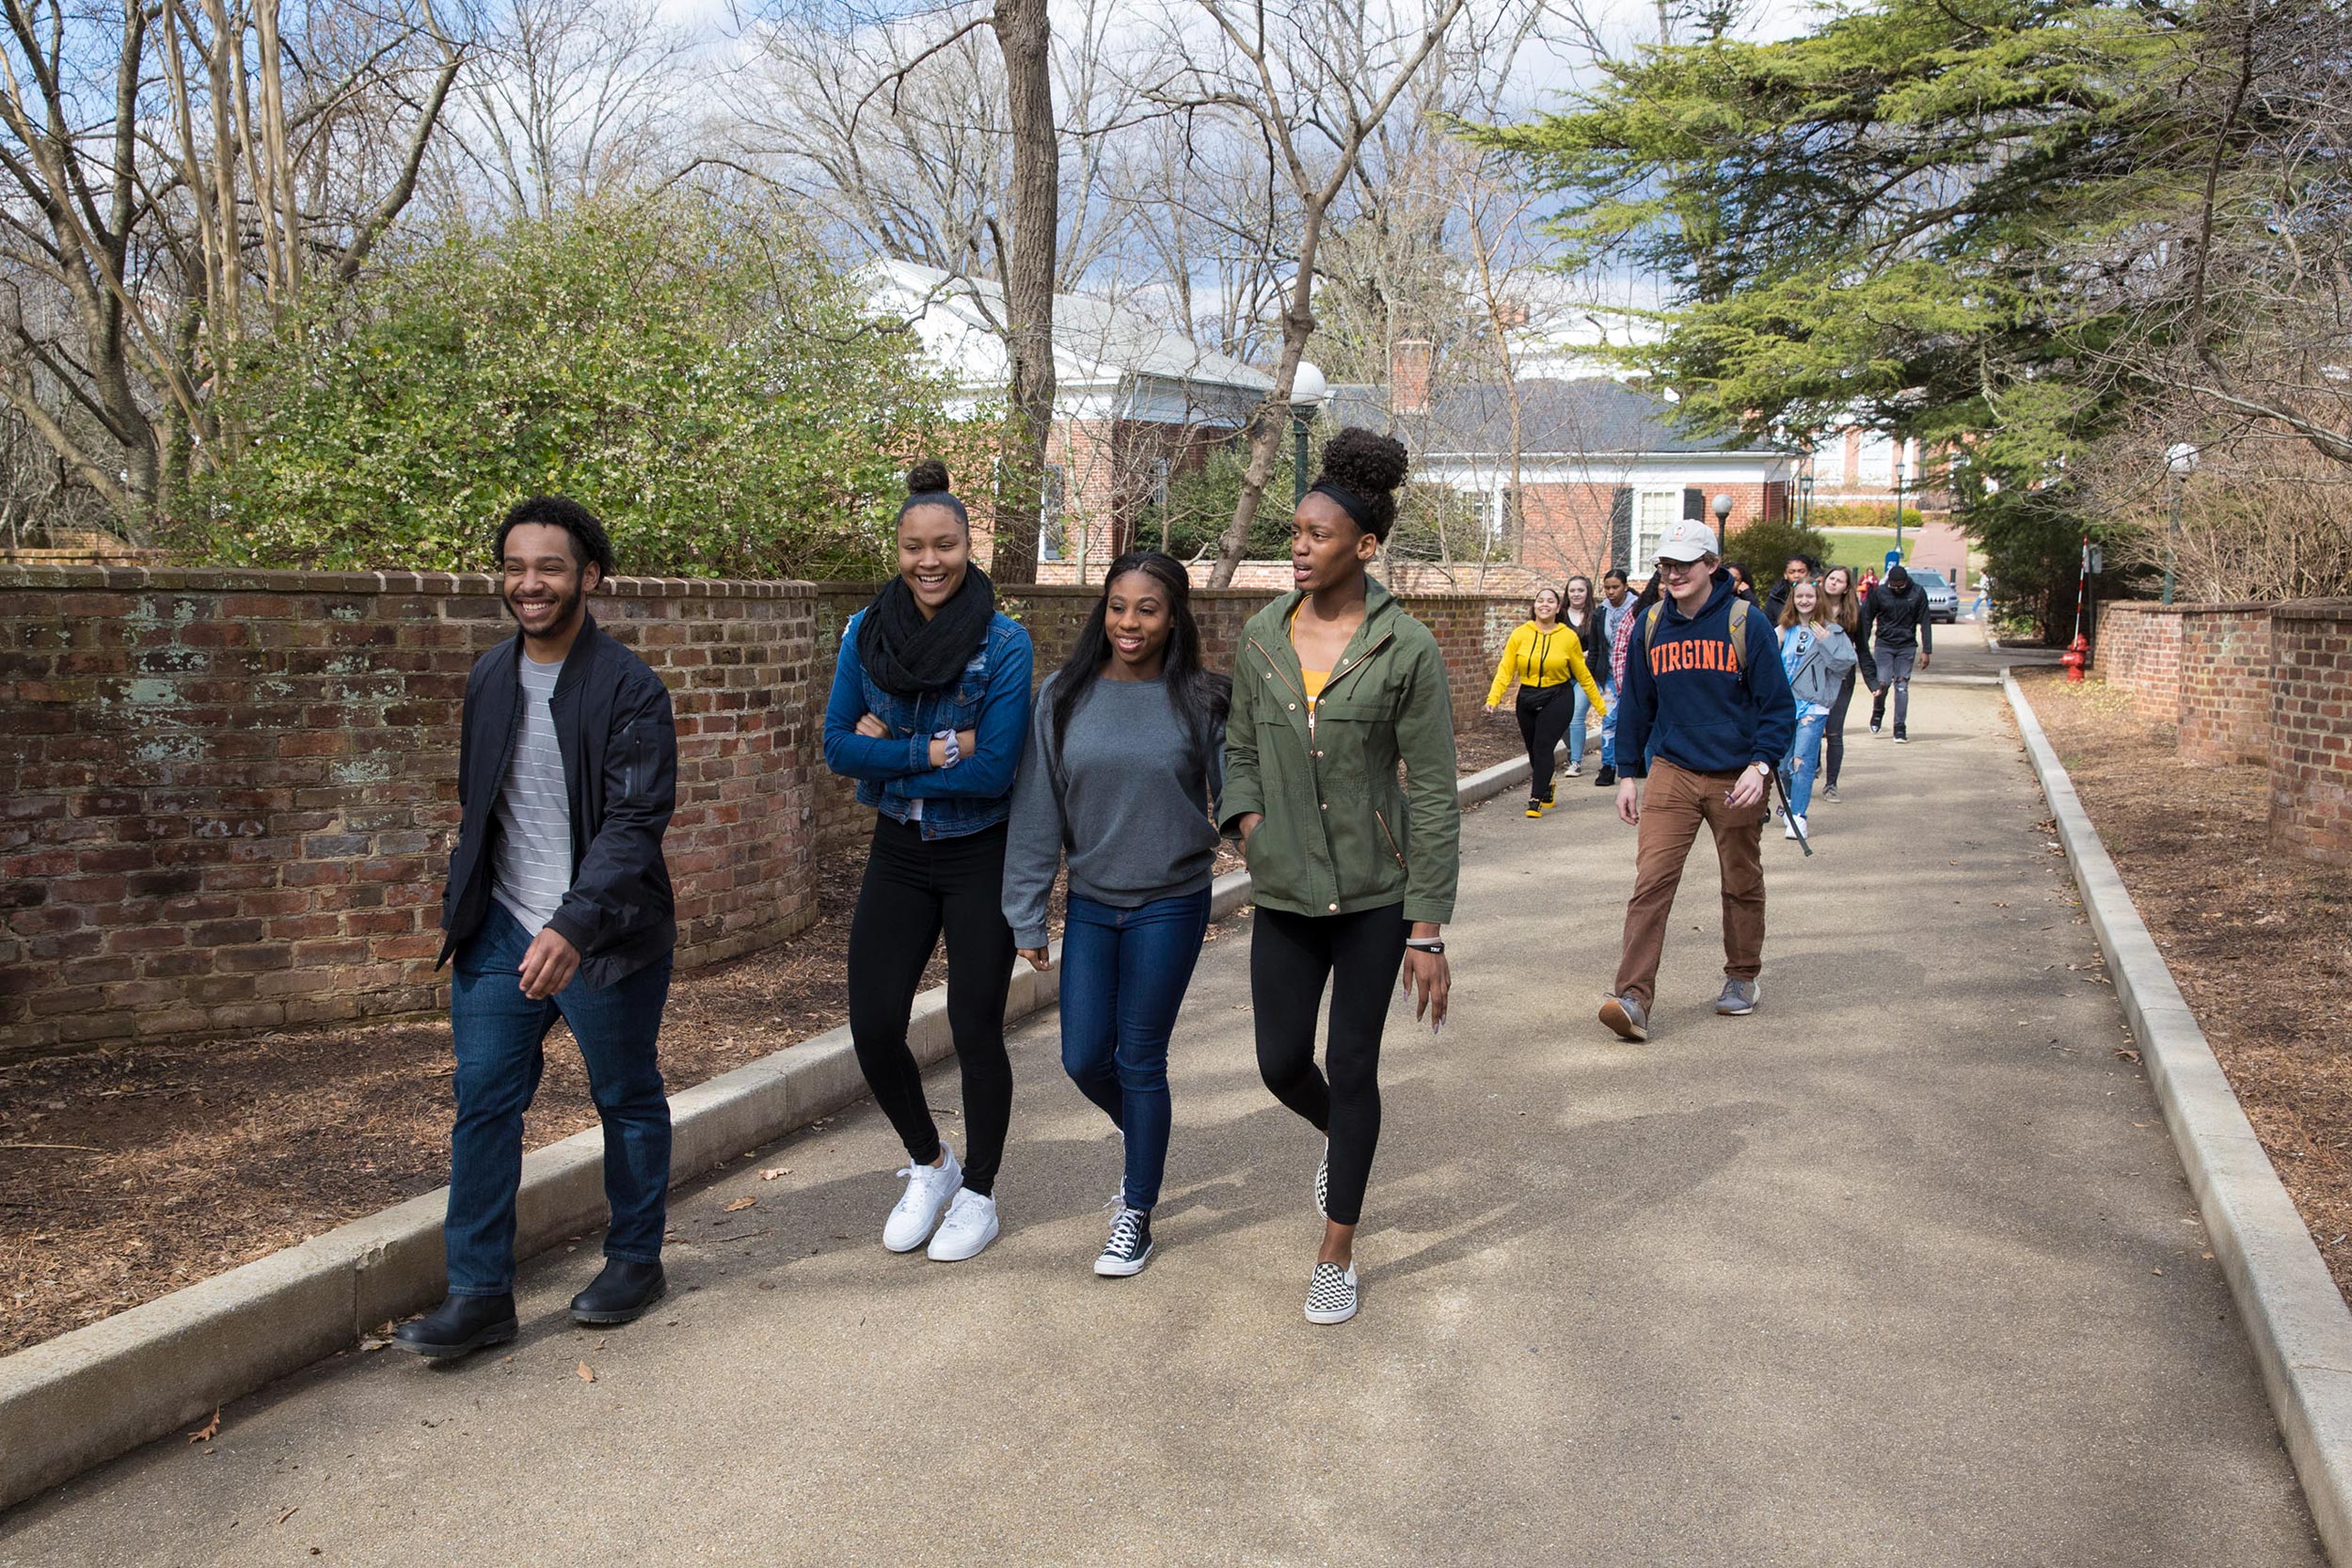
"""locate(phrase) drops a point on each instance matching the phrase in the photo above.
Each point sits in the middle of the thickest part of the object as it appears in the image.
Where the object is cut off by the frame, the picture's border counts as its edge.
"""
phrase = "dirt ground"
(129, 1171)
(2260, 942)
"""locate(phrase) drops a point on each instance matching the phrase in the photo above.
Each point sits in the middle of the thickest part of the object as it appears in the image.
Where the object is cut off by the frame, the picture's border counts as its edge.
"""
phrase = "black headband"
(936, 498)
(1358, 508)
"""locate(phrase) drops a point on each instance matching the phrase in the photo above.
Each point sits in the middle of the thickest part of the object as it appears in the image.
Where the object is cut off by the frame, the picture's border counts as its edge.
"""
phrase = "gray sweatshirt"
(1134, 799)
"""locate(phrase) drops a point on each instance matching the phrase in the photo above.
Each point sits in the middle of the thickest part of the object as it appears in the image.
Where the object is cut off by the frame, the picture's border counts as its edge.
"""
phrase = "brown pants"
(1673, 806)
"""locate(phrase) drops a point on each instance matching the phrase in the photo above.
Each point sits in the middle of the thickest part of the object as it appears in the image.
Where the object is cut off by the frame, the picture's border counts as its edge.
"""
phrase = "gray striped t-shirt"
(533, 867)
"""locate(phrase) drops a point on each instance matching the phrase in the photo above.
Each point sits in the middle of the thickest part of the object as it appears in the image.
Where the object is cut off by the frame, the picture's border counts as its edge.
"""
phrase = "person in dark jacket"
(1895, 619)
(558, 906)
(1799, 568)
(1705, 710)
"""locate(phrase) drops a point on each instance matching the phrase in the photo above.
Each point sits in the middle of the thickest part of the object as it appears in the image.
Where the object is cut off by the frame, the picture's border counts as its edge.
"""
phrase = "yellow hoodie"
(1537, 658)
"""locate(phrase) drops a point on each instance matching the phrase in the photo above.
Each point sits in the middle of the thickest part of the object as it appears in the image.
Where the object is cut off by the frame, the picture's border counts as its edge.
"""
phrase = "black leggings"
(1290, 958)
(1544, 719)
(1833, 737)
(913, 890)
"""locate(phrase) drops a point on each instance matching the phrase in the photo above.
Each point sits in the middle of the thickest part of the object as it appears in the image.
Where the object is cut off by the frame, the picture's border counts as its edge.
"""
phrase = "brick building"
(1603, 468)
(1136, 401)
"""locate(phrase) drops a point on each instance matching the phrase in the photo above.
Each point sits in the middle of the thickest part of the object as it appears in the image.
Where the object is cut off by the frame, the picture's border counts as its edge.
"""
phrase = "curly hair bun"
(1365, 461)
(927, 478)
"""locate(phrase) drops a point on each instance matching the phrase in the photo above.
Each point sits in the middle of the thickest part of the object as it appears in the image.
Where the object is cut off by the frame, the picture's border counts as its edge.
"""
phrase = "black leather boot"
(460, 1326)
(1606, 777)
(620, 1294)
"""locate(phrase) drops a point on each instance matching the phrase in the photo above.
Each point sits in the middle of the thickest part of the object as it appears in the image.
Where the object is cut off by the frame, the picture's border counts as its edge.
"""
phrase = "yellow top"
(1315, 680)
(1537, 658)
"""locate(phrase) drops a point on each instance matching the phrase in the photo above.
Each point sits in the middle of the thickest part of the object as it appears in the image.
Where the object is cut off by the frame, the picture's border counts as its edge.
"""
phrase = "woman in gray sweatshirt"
(1123, 765)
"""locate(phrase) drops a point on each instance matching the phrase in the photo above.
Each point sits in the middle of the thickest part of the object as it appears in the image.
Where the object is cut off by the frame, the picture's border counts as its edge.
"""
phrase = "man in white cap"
(1705, 713)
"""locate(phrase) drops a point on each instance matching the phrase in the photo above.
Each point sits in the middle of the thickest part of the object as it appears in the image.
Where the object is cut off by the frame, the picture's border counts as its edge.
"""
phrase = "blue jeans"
(1608, 728)
(1804, 758)
(1123, 974)
(497, 1032)
(1576, 726)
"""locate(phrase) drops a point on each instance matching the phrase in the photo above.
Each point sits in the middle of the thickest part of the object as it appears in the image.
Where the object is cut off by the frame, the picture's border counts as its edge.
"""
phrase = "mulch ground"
(129, 1171)
(2260, 942)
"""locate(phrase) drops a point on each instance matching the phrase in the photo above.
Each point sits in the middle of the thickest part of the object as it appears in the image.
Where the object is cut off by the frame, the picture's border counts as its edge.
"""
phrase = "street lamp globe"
(1723, 508)
(1308, 385)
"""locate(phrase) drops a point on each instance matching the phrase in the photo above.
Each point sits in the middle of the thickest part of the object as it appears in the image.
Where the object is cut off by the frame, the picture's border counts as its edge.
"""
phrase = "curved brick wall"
(229, 795)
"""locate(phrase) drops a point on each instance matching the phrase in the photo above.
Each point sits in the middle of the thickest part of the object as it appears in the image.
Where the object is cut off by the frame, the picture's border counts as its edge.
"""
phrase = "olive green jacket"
(1340, 834)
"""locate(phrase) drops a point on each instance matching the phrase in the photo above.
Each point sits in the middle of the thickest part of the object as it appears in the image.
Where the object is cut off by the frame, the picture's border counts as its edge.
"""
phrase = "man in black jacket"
(558, 906)
(1894, 615)
(1800, 568)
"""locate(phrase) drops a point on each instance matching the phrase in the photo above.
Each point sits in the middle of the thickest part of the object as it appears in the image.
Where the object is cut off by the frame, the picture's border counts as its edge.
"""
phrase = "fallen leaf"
(2127, 1056)
(585, 1375)
(740, 1205)
(2156, 1270)
(774, 1171)
(210, 1430)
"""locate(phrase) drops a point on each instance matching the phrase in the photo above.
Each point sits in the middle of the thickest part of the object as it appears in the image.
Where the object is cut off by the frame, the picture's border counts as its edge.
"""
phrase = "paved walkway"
(1901, 1270)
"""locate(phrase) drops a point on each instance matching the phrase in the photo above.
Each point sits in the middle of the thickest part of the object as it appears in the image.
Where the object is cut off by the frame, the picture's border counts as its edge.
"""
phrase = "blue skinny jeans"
(1804, 758)
(1124, 974)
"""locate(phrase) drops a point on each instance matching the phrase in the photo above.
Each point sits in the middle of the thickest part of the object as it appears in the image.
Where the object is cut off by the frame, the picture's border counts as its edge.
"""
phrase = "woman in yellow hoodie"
(1543, 656)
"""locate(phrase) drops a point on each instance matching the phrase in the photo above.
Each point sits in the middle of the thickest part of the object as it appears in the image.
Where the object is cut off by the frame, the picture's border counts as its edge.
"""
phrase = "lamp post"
(1898, 497)
(2180, 461)
(1722, 511)
(1308, 390)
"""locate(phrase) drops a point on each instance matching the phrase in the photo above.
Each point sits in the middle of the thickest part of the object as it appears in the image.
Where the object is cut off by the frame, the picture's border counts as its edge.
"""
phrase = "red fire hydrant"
(2077, 655)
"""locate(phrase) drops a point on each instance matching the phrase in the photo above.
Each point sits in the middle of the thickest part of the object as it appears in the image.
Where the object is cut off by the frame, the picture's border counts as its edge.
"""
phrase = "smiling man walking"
(558, 906)
(1705, 694)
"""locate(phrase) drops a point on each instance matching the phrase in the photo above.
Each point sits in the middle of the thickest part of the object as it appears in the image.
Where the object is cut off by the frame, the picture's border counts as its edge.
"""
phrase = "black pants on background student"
(1834, 735)
(1544, 719)
(914, 889)
(1291, 957)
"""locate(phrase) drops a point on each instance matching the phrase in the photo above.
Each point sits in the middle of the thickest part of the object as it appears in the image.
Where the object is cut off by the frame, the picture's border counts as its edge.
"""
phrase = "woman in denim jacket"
(928, 711)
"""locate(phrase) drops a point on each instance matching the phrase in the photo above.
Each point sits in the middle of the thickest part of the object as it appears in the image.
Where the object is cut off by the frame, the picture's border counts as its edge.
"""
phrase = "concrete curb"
(2296, 1318)
(85, 1397)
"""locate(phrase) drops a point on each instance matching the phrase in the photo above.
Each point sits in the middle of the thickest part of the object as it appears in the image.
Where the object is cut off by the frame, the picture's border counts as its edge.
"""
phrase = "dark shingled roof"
(1580, 418)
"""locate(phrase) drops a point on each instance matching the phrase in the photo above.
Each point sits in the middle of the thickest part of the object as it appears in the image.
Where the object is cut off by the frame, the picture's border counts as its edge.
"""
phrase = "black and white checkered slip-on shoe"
(1331, 1295)
(1323, 1183)
(1130, 1244)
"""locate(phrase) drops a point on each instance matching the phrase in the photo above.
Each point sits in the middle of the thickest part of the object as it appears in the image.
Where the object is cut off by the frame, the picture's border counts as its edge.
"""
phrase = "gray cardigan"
(1823, 670)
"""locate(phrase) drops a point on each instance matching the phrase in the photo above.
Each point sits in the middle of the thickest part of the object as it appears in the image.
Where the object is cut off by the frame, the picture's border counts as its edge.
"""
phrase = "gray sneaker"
(1737, 1000)
(1625, 1015)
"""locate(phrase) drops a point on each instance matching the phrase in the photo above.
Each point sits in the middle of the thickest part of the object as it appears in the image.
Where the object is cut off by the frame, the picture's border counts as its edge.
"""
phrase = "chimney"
(1409, 376)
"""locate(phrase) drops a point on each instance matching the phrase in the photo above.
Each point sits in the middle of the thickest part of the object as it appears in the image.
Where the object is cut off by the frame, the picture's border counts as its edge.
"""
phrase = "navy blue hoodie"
(1709, 715)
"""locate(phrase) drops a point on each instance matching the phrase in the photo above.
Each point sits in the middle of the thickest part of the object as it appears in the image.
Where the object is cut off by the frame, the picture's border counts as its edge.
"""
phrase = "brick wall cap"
(255, 580)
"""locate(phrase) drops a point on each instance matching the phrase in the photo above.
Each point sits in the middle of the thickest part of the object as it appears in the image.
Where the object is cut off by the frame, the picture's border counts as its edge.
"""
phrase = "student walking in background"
(1619, 641)
(1817, 656)
(1353, 873)
(1841, 605)
(1796, 569)
(1544, 653)
(1125, 758)
(1895, 621)
(558, 906)
(929, 713)
(1615, 609)
(1704, 672)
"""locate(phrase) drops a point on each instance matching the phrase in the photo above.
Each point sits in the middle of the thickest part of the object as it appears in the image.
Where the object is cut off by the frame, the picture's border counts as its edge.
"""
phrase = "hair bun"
(926, 478)
(1365, 461)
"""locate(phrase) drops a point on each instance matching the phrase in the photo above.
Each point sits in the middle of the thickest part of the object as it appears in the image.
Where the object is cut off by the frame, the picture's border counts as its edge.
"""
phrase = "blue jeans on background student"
(498, 1031)
(1804, 758)
(1123, 974)
(1576, 726)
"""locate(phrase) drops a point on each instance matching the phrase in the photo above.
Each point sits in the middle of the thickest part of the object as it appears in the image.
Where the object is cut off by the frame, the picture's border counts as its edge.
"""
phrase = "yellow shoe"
(1534, 808)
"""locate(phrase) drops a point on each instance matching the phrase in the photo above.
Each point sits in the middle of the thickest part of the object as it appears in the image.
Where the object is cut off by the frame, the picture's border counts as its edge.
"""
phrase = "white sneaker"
(970, 1225)
(928, 1188)
(1790, 832)
(1798, 828)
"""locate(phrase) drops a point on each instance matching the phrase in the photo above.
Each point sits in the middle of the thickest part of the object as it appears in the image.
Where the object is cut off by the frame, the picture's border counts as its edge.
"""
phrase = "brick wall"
(230, 795)
(2139, 652)
(2225, 683)
(2311, 729)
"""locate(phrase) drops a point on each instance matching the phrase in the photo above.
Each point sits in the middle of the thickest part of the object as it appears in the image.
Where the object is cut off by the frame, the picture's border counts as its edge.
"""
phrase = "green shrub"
(693, 372)
(1862, 515)
(1764, 546)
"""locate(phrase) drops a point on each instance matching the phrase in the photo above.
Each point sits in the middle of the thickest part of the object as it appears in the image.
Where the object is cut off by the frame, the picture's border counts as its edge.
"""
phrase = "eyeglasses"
(1678, 568)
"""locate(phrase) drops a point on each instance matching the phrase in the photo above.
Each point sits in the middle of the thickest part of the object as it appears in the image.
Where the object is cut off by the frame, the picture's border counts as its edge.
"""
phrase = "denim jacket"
(992, 700)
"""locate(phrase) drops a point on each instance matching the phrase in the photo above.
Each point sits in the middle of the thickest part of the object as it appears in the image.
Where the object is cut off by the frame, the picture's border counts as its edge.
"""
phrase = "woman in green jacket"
(1352, 873)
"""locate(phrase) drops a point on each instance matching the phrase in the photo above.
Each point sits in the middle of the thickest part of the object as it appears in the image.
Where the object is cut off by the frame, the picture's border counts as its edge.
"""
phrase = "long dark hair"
(1200, 696)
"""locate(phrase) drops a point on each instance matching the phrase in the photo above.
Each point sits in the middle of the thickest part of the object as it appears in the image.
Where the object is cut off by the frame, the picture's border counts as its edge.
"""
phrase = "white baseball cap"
(1688, 540)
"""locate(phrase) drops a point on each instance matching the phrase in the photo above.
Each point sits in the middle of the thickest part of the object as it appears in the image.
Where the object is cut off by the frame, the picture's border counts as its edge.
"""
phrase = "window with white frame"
(1654, 513)
(1875, 469)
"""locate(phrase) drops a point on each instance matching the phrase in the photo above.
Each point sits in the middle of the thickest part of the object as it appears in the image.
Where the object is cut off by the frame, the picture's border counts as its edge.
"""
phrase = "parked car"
(1943, 599)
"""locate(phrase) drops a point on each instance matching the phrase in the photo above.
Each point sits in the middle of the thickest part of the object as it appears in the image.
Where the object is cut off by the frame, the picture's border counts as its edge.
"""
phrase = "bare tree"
(1313, 78)
(176, 173)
